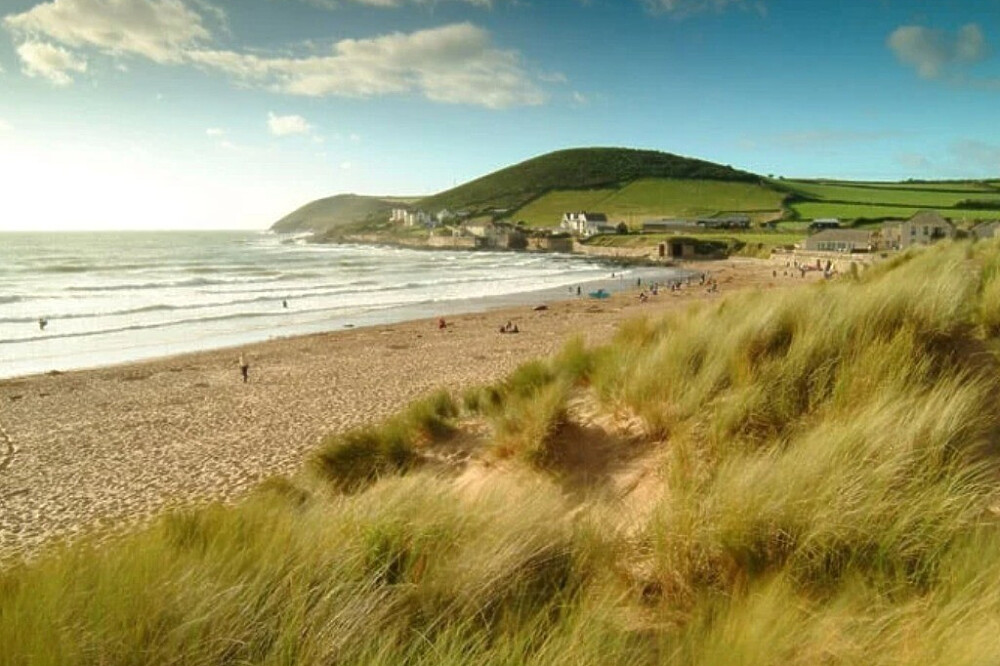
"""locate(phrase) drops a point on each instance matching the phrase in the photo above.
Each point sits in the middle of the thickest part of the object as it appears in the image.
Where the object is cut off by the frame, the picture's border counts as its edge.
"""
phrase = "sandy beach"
(111, 447)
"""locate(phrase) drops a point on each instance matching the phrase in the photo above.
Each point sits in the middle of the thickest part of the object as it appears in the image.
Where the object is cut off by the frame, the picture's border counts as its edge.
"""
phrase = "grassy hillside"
(653, 198)
(326, 214)
(961, 201)
(575, 169)
(794, 477)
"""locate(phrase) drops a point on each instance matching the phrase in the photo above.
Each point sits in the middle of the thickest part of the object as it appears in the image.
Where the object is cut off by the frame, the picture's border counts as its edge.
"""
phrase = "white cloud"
(455, 64)
(160, 30)
(936, 52)
(287, 125)
(215, 131)
(355, 137)
(580, 99)
(51, 62)
(346, 166)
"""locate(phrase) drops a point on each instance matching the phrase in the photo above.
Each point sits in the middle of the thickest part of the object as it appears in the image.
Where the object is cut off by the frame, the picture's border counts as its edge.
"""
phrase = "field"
(929, 196)
(850, 201)
(653, 198)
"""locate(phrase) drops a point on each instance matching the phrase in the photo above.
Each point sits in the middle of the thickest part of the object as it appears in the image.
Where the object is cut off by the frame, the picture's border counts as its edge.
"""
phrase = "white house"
(586, 224)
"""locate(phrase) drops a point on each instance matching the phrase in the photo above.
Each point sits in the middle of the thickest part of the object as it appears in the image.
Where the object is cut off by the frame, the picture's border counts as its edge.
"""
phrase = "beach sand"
(111, 447)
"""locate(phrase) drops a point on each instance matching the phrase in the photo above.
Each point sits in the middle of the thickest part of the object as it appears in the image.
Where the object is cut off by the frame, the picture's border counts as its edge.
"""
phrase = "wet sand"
(113, 446)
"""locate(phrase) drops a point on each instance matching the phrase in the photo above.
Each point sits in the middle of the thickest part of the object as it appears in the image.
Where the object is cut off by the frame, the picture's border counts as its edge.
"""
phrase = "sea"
(113, 297)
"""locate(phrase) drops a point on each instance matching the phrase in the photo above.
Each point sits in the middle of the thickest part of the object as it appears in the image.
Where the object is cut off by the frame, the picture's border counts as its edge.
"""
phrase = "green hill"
(326, 214)
(575, 169)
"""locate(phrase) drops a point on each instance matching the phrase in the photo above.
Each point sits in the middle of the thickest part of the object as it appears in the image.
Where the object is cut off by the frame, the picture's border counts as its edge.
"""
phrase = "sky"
(226, 114)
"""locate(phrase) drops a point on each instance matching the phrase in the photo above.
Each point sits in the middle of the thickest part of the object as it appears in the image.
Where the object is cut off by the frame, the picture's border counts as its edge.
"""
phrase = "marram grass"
(826, 493)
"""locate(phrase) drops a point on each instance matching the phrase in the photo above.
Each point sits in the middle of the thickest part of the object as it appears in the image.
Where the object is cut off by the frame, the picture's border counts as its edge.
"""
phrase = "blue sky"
(228, 114)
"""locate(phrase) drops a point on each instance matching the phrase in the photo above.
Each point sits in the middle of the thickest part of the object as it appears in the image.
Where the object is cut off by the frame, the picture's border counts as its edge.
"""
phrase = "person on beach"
(442, 324)
(577, 290)
(42, 323)
(284, 303)
(244, 368)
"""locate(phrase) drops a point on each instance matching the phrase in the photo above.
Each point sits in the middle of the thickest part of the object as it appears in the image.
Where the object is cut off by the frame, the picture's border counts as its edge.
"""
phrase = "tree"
(622, 228)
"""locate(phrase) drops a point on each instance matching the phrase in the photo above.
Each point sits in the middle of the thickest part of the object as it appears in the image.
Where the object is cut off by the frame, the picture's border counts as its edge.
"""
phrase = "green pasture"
(959, 186)
(548, 210)
(810, 210)
(652, 198)
(920, 198)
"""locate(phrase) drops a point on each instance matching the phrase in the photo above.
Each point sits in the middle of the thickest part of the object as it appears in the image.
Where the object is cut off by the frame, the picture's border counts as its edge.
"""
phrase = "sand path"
(111, 447)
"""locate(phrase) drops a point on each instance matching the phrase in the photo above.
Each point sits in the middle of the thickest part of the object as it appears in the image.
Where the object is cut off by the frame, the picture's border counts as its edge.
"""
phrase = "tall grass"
(829, 467)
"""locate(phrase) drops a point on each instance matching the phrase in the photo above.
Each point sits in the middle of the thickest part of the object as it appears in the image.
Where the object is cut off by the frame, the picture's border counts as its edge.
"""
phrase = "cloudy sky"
(230, 113)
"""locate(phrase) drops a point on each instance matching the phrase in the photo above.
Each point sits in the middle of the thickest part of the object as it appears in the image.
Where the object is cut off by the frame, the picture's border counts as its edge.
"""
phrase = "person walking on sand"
(244, 368)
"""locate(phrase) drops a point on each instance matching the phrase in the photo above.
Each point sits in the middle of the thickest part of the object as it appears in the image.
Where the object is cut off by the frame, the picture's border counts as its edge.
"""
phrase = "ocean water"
(115, 297)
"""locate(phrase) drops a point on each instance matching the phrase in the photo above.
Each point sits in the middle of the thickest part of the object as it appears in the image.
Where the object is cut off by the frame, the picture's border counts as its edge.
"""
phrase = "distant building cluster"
(412, 218)
(924, 228)
(419, 218)
(696, 224)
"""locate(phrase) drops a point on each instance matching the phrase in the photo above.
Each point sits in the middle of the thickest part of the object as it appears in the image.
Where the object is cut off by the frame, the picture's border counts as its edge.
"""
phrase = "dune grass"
(828, 460)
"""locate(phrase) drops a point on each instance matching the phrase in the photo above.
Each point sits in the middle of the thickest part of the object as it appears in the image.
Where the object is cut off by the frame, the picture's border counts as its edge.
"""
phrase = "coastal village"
(830, 241)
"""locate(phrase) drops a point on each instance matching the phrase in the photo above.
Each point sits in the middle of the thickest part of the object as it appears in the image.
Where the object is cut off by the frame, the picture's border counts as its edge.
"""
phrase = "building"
(688, 225)
(667, 225)
(419, 218)
(924, 228)
(989, 229)
(586, 224)
(411, 218)
(481, 228)
(724, 222)
(842, 240)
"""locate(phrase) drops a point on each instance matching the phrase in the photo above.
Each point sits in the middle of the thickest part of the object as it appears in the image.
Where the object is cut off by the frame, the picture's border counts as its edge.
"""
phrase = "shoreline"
(111, 356)
(111, 447)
